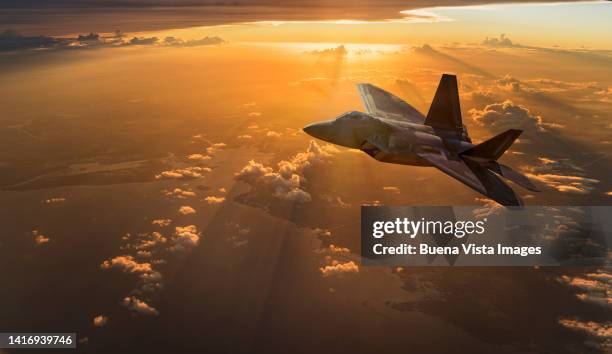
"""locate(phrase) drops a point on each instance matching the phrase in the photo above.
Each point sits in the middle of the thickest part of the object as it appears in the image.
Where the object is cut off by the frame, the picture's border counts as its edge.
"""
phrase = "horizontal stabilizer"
(445, 111)
(514, 176)
(493, 148)
(496, 189)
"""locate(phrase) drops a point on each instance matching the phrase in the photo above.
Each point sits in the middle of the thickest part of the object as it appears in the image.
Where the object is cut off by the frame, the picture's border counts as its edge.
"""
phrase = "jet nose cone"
(317, 130)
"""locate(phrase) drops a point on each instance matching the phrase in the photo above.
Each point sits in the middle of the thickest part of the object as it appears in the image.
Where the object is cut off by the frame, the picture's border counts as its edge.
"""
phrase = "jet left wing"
(456, 169)
(383, 104)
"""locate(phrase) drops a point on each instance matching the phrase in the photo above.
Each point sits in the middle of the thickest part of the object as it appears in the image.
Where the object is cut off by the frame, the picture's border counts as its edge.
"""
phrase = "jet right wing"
(475, 176)
(383, 104)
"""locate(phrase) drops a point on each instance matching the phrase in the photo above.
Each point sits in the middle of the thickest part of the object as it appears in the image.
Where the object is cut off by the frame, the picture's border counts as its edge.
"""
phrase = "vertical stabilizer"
(445, 111)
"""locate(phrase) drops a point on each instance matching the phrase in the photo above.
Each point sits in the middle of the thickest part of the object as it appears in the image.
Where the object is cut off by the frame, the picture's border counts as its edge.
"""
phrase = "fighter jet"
(393, 131)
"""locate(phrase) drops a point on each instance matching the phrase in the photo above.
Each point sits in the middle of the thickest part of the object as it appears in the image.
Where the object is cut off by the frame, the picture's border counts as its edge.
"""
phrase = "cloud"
(186, 210)
(600, 332)
(161, 222)
(596, 288)
(337, 268)
(502, 41)
(150, 278)
(214, 200)
(54, 200)
(510, 82)
(273, 134)
(149, 241)
(40, 239)
(143, 41)
(177, 42)
(183, 173)
(245, 137)
(10, 40)
(339, 51)
(561, 175)
(179, 193)
(199, 157)
(127, 264)
(138, 306)
(286, 183)
(100, 320)
(507, 115)
(185, 238)
(392, 189)
(215, 147)
(333, 249)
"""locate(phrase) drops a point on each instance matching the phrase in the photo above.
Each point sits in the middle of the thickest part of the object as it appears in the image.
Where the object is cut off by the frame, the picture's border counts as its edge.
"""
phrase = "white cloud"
(138, 306)
(186, 210)
(214, 200)
(40, 239)
(161, 222)
(507, 115)
(100, 320)
(337, 268)
(392, 189)
(287, 182)
(185, 238)
(54, 200)
(179, 193)
(183, 173)
(199, 157)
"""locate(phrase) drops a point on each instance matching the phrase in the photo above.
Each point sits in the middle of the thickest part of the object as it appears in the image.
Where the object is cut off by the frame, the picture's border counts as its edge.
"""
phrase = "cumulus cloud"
(287, 181)
(507, 115)
(186, 210)
(333, 249)
(245, 137)
(198, 157)
(561, 175)
(54, 200)
(185, 238)
(177, 42)
(237, 234)
(510, 83)
(184, 173)
(11, 40)
(392, 189)
(139, 306)
(602, 333)
(501, 41)
(150, 278)
(40, 239)
(179, 193)
(161, 222)
(214, 200)
(148, 241)
(339, 51)
(273, 134)
(100, 320)
(595, 288)
(338, 268)
(215, 147)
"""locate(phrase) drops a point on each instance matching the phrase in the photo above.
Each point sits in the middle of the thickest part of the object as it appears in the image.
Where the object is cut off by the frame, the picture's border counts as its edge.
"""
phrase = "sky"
(156, 182)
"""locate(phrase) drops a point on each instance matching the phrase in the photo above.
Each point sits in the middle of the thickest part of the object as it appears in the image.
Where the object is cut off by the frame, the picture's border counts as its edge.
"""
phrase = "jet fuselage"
(402, 141)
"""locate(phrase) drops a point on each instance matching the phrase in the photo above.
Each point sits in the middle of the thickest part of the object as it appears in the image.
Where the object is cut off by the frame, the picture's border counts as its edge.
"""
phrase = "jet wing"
(475, 176)
(383, 104)
(456, 169)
